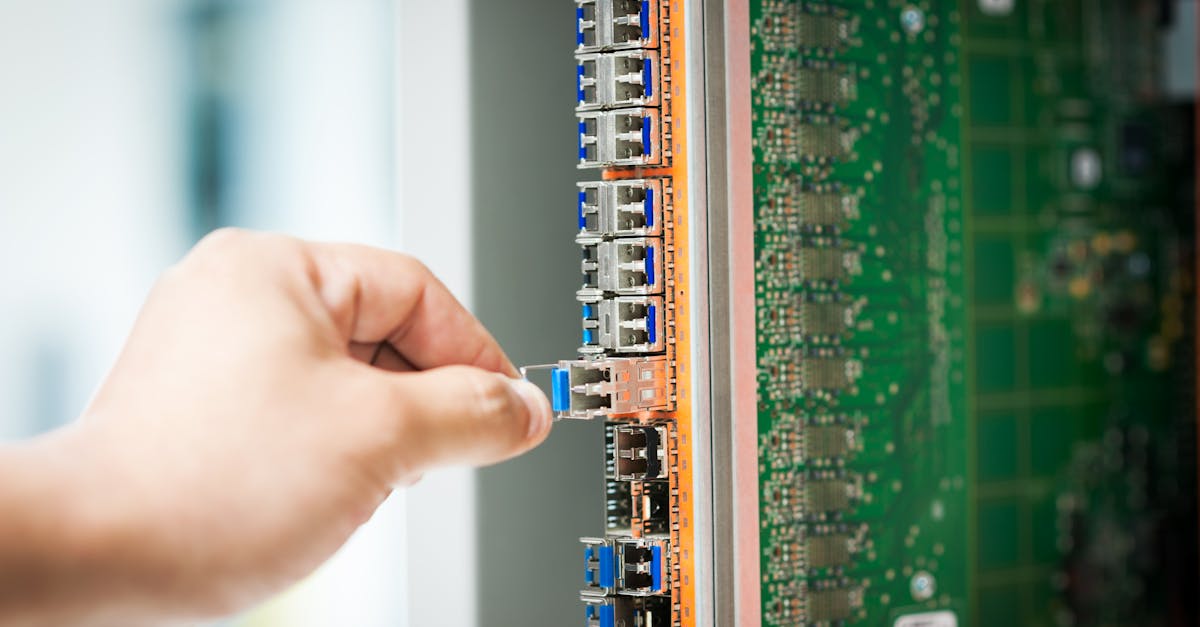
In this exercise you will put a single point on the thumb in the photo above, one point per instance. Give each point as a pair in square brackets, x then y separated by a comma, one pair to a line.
[465, 415]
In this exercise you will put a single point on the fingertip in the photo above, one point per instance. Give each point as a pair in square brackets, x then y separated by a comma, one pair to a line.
[537, 407]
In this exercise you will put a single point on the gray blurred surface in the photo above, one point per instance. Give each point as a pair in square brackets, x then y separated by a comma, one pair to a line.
[532, 510]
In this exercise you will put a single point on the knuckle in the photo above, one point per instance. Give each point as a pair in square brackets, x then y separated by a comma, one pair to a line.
[415, 266]
[223, 238]
[233, 250]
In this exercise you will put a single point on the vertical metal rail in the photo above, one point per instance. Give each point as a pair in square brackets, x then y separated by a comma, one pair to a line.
[733, 362]
[705, 525]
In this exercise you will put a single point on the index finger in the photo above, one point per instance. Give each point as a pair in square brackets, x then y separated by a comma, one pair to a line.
[376, 295]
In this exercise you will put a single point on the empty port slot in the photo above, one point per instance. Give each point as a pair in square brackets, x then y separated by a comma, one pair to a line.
[618, 507]
[652, 508]
[614, 386]
[640, 452]
[609, 209]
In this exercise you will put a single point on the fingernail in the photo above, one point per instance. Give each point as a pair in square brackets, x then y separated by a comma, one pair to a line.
[538, 404]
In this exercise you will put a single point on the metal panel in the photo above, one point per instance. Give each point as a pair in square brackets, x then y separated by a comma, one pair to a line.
[704, 516]
[731, 258]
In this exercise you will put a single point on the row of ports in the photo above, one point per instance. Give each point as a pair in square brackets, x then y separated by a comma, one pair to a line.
[595, 388]
[616, 24]
[625, 324]
[612, 80]
[624, 137]
[626, 566]
[627, 611]
[626, 208]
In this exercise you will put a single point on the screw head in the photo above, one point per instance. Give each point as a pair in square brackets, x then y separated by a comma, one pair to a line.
[923, 586]
[912, 19]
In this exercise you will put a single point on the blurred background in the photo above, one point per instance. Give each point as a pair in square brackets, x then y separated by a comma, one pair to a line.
[131, 128]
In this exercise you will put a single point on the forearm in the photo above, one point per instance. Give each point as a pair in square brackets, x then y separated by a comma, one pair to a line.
[59, 559]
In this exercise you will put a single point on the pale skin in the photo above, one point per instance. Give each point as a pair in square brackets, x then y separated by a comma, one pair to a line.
[242, 435]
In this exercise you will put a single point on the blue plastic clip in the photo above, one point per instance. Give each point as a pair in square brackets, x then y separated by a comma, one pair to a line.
[579, 26]
[579, 83]
[650, 265]
[560, 384]
[646, 135]
[648, 206]
[647, 78]
[608, 575]
[656, 568]
[582, 200]
[645, 19]
[652, 323]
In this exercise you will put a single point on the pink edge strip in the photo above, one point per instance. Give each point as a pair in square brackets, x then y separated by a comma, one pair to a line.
[744, 357]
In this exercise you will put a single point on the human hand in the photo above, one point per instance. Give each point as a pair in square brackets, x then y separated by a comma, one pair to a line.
[242, 436]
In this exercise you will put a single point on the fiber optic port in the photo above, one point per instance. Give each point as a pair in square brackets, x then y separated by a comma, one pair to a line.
[636, 137]
[587, 81]
[651, 507]
[589, 140]
[618, 507]
[625, 137]
[629, 266]
[632, 208]
[640, 452]
[634, 23]
[613, 24]
[628, 566]
[611, 80]
[625, 324]
[644, 567]
[599, 566]
[627, 611]
[586, 389]
[600, 611]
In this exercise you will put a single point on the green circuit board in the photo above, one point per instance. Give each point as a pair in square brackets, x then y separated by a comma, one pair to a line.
[974, 315]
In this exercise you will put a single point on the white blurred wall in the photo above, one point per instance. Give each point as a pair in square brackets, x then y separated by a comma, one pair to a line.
[90, 193]
[95, 200]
